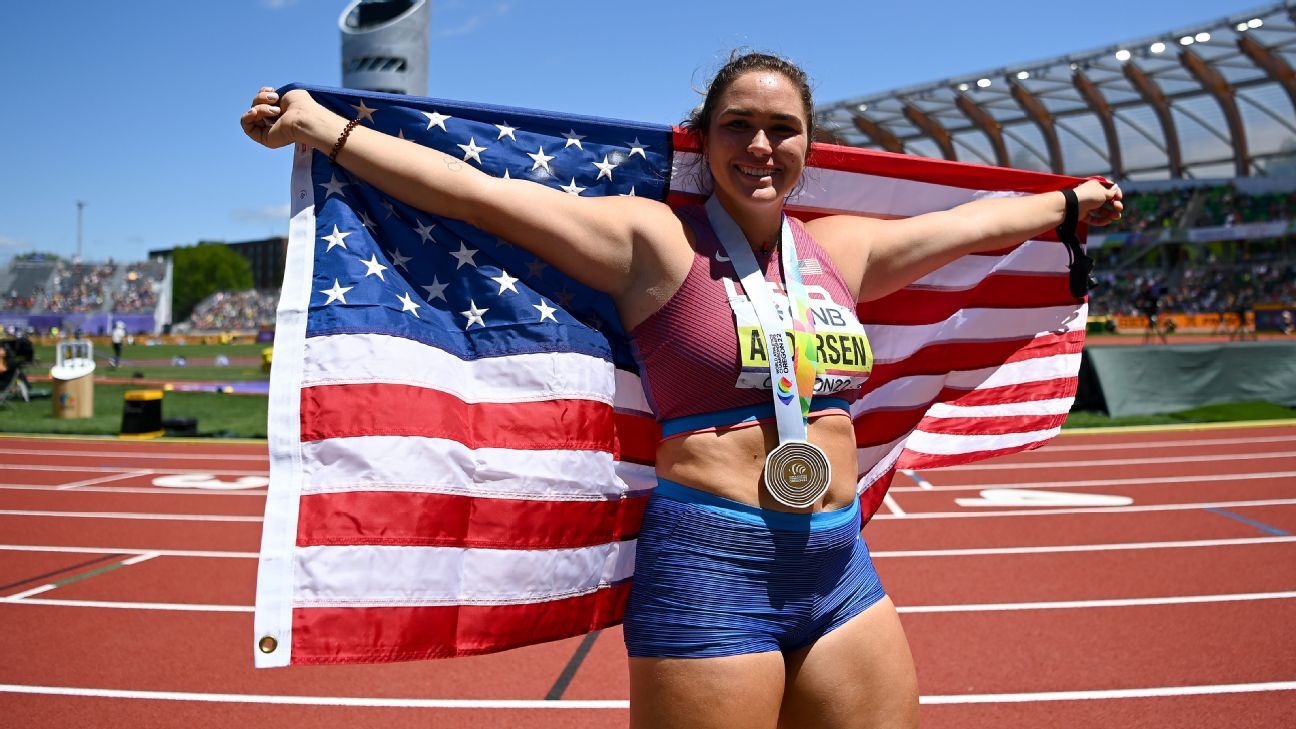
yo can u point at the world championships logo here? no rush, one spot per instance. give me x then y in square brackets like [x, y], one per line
[784, 389]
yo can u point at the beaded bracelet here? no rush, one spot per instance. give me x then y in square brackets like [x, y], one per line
[342, 139]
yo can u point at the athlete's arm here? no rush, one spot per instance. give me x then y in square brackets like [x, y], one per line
[611, 244]
[882, 256]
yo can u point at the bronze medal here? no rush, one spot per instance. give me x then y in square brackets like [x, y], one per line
[797, 473]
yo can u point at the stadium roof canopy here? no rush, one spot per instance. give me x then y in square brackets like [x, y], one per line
[1213, 100]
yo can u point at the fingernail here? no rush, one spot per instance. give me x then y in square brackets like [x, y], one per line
[274, 109]
[274, 97]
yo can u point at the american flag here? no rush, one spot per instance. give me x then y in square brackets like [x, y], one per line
[460, 447]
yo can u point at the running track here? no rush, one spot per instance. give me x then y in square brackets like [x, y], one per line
[1135, 579]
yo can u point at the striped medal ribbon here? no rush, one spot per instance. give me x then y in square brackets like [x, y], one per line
[797, 472]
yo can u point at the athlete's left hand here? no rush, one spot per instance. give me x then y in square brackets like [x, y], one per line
[1099, 204]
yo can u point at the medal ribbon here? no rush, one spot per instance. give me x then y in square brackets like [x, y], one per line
[792, 369]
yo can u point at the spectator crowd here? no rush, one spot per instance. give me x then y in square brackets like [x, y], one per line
[228, 311]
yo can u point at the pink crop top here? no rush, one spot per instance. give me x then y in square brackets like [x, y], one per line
[688, 350]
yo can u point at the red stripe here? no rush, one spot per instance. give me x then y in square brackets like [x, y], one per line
[941, 358]
[1021, 392]
[637, 437]
[872, 497]
[342, 411]
[916, 460]
[916, 305]
[920, 169]
[420, 519]
[380, 634]
[878, 427]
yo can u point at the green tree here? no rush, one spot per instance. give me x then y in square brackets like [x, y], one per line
[201, 271]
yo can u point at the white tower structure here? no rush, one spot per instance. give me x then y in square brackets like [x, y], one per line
[385, 45]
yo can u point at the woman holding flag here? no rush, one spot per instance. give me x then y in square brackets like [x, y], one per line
[755, 602]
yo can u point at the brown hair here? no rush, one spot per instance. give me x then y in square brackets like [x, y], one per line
[739, 63]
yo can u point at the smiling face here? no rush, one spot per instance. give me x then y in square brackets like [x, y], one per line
[757, 140]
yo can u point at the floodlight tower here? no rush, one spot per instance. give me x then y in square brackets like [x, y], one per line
[385, 45]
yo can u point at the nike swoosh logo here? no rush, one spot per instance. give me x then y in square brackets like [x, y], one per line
[722, 258]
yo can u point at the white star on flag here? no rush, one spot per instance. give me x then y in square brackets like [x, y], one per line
[471, 150]
[374, 268]
[400, 133]
[474, 315]
[400, 260]
[337, 293]
[572, 189]
[363, 113]
[391, 209]
[506, 131]
[336, 238]
[365, 220]
[506, 174]
[605, 169]
[407, 304]
[541, 160]
[334, 187]
[436, 119]
[436, 290]
[464, 256]
[574, 138]
[506, 282]
[546, 311]
[637, 147]
[629, 194]
[536, 268]
[424, 231]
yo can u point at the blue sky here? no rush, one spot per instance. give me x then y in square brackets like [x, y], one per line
[133, 106]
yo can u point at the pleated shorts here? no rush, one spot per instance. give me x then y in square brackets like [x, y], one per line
[715, 577]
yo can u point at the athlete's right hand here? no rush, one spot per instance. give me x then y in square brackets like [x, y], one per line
[272, 121]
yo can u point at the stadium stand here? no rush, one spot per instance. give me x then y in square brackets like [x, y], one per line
[233, 311]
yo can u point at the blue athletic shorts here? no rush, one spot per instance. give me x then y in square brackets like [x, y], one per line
[715, 577]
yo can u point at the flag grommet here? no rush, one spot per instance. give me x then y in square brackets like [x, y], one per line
[267, 644]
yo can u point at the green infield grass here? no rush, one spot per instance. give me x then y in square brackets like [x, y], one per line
[229, 416]
[1227, 413]
[200, 360]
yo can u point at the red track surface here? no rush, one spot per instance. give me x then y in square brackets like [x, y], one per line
[1197, 569]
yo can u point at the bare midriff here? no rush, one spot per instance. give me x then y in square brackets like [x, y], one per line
[730, 461]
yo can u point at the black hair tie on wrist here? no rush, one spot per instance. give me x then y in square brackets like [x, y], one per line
[1080, 264]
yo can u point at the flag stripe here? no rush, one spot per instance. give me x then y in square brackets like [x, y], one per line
[371, 634]
[424, 519]
[919, 305]
[340, 411]
[944, 357]
[378, 575]
[448, 467]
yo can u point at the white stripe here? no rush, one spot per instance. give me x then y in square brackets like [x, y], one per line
[1121, 461]
[1092, 509]
[34, 591]
[919, 390]
[103, 479]
[1068, 548]
[1056, 406]
[921, 442]
[895, 342]
[390, 576]
[1204, 481]
[617, 704]
[365, 358]
[127, 550]
[132, 454]
[434, 465]
[1031, 257]
[129, 490]
[1096, 445]
[140, 558]
[104, 604]
[129, 515]
[630, 396]
[1089, 604]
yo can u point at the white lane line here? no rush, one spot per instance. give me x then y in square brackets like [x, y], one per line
[130, 515]
[140, 558]
[1186, 480]
[1167, 444]
[220, 554]
[1122, 461]
[881, 554]
[409, 703]
[134, 490]
[923, 484]
[34, 591]
[1086, 510]
[171, 606]
[1064, 548]
[104, 479]
[138, 454]
[118, 469]
[1118, 602]
[892, 505]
